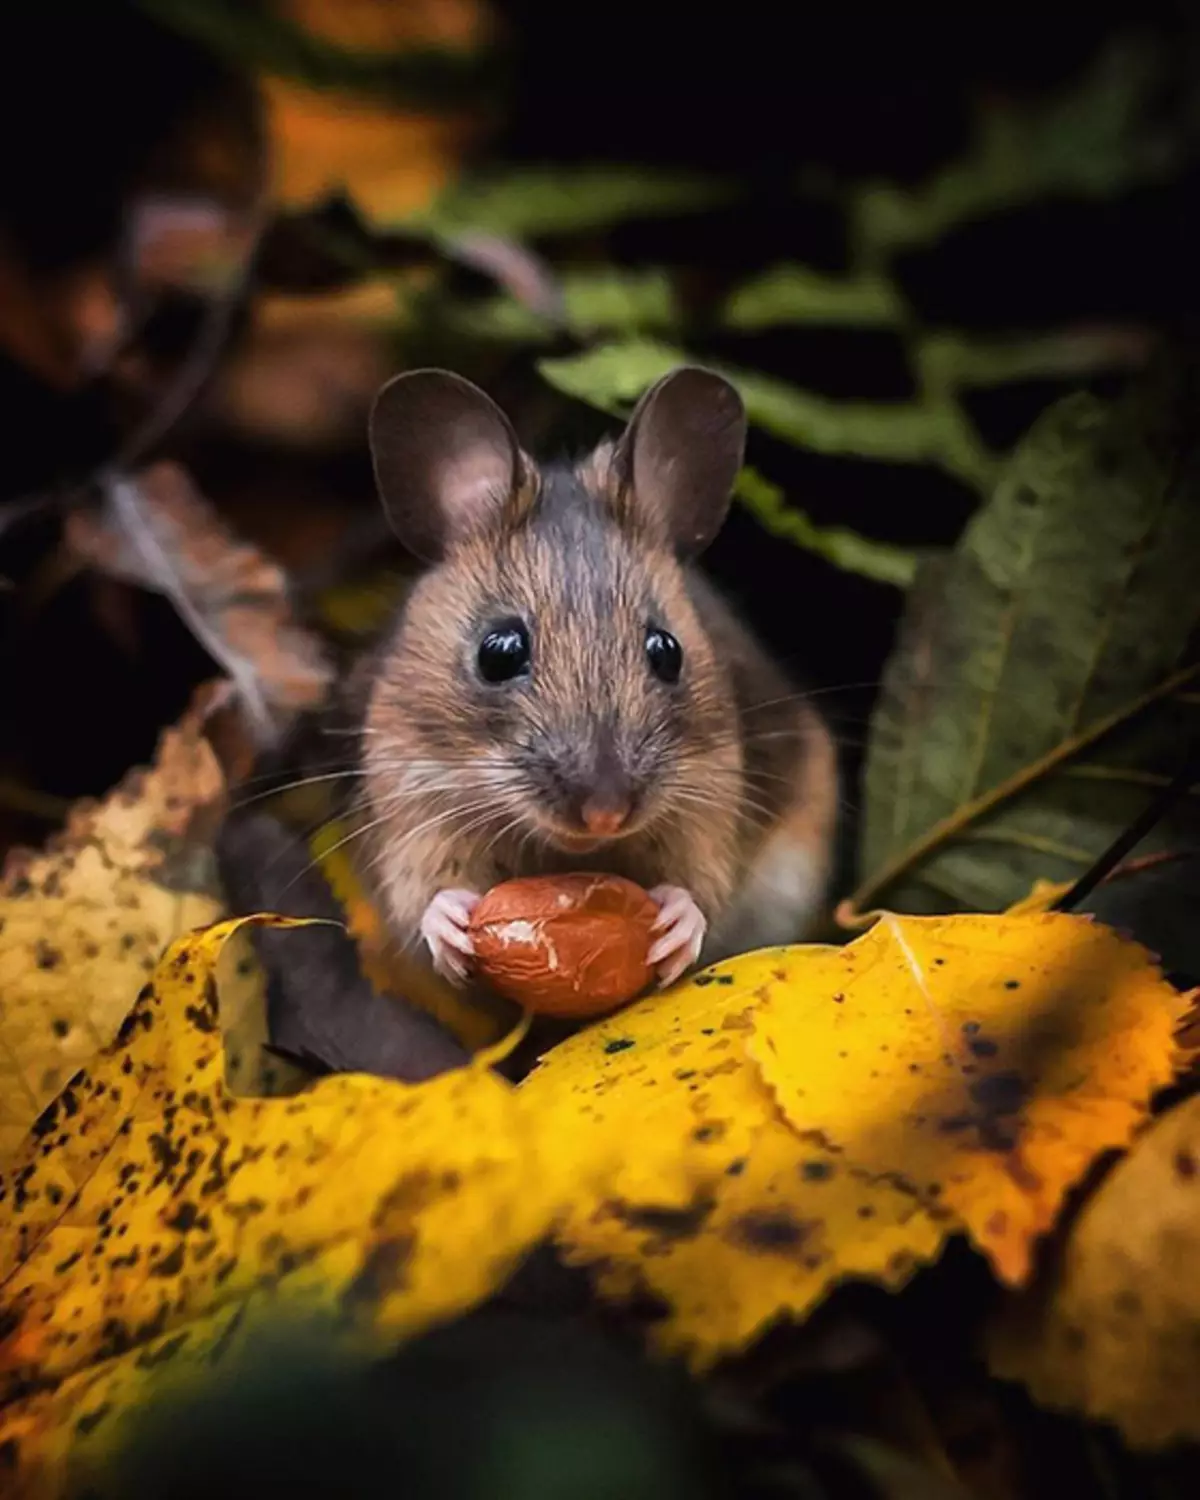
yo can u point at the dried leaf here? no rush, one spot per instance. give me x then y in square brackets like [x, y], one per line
[390, 161]
[803, 1115]
[82, 923]
[1115, 1333]
[306, 370]
[154, 1222]
[987, 1060]
[1032, 703]
[159, 532]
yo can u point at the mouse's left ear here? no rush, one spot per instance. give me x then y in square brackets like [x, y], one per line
[680, 455]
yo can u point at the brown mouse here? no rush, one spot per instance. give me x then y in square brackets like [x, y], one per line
[563, 691]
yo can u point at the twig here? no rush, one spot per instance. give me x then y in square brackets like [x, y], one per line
[1178, 786]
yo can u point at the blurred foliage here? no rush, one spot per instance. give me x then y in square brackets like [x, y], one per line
[351, 72]
[438, 70]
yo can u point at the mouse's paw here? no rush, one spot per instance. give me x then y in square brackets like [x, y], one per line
[444, 929]
[681, 925]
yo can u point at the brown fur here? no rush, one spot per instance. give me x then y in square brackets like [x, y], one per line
[736, 772]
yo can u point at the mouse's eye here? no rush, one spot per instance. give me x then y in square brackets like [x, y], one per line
[664, 654]
[504, 652]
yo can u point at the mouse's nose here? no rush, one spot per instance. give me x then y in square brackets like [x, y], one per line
[606, 815]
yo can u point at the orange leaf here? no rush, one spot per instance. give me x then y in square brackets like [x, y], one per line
[390, 162]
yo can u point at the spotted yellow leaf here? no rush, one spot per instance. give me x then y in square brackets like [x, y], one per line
[714, 1205]
[153, 1220]
[83, 922]
[803, 1115]
[986, 1059]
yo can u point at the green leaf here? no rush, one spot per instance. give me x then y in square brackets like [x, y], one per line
[1094, 140]
[1037, 693]
[612, 377]
[531, 202]
[879, 561]
[601, 301]
[789, 294]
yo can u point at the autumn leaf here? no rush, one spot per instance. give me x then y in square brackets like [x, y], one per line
[388, 158]
[1114, 1332]
[158, 531]
[388, 161]
[803, 1115]
[83, 922]
[153, 1221]
[1036, 697]
[987, 1060]
[714, 1204]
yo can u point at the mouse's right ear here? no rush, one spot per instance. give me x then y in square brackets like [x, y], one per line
[447, 461]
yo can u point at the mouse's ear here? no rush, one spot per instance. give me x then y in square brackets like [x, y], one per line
[447, 461]
[681, 453]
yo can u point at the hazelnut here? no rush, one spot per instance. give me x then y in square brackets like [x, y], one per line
[565, 945]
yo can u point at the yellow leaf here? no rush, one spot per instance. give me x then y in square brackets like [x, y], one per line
[712, 1203]
[803, 1115]
[84, 922]
[152, 1220]
[1115, 1333]
[1041, 898]
[987, 1060]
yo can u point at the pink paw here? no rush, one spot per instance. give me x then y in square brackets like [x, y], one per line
[682, 926]
[444, 928]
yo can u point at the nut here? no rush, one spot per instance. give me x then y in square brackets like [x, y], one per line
[565, 945]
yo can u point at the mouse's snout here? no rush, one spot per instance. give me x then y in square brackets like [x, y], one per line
[606, 813]
[585, 800]
[598, 806]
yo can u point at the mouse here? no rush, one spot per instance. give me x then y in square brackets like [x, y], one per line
[563, 689]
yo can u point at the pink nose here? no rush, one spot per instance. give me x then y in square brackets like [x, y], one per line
[604, 818]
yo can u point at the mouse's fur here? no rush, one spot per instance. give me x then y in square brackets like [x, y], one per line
[731, 773]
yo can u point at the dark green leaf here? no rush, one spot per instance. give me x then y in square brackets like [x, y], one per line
[1036, 696]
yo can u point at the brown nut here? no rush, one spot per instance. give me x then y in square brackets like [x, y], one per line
[565, 945]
